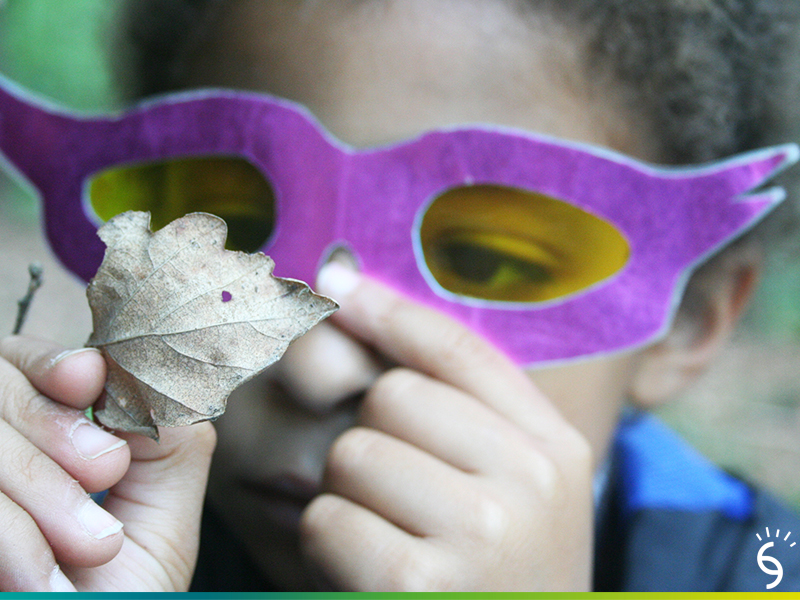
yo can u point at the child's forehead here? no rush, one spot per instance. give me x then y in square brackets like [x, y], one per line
[379, 75]
[464, 39]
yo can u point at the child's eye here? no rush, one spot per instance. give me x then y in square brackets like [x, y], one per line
[497, 243]
[488, 265]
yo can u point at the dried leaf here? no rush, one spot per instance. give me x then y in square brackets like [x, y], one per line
[182, 322]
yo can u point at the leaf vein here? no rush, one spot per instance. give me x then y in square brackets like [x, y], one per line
[163, 334]
[155, 269]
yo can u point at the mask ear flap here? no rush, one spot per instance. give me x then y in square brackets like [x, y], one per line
[748, 172]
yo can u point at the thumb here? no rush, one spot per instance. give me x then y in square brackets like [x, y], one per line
[160, 502]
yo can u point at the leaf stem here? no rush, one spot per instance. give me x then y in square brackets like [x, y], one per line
[35, 269]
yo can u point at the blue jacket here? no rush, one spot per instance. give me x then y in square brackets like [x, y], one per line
[669, 520]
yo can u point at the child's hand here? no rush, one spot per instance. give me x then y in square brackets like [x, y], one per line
[462, 476]
[51, 455]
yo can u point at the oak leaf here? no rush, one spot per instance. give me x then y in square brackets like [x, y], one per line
[182, 322]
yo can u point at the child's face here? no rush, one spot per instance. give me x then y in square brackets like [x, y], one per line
[375, 74]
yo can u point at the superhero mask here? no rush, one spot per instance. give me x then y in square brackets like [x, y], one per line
[553, 250]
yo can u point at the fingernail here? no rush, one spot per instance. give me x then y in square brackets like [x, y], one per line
[336, 280]
[90, 441]
[98, 522]
[67, 353]
[59, 581]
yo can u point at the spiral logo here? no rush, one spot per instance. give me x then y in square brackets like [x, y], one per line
[763, 559]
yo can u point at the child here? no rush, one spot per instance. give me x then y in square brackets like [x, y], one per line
[392, 448]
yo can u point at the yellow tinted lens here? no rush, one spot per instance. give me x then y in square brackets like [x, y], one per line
[499, 243]
[228, 187]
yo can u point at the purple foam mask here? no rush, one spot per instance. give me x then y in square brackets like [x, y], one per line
[372, 201]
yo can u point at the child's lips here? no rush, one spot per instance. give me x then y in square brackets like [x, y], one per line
[283, 497]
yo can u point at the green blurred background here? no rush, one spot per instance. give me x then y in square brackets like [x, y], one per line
[744, 414]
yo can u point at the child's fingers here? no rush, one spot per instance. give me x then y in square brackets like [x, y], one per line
[422, 494]
[27, 563]
[467, 455]
[92, 456]
[71, 377]
[48, 444]
[160, 500]
[78, 531]
[425, 340]
[442, 421]
[359, 551]
[51, 454]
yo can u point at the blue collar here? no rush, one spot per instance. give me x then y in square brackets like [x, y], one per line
[658, 470]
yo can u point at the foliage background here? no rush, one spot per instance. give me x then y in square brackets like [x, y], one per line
[744, 414]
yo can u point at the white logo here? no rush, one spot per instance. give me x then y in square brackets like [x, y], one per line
[762, 558]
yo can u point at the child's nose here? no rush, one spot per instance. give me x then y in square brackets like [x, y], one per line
[325, 367]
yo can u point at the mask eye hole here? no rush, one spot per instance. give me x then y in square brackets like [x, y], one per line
[229, 187]
[499, 243]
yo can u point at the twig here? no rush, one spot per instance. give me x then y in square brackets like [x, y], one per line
[35, 270]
